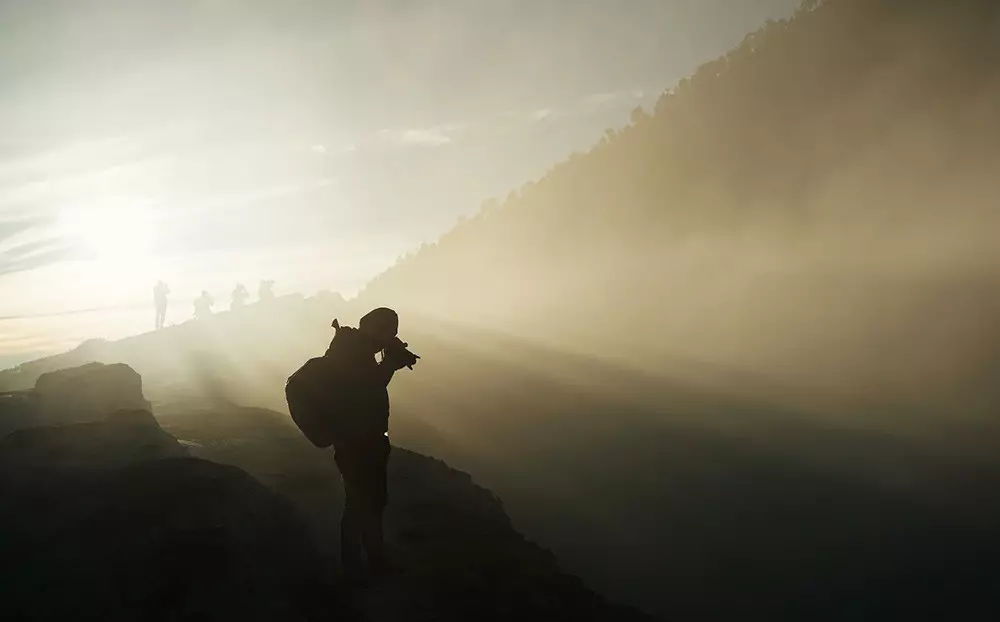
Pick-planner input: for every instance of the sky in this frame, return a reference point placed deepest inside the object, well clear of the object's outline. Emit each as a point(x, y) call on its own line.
point(210, 142)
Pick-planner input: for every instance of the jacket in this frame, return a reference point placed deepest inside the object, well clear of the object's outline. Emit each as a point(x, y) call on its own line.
point(355, 365)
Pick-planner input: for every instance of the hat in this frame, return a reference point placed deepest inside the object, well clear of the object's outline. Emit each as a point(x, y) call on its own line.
point(382, 321)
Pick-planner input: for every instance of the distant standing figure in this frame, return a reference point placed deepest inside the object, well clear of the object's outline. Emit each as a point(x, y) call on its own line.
point(266, 292)
point(203, 305)
point(239, 296)
point(160, 292)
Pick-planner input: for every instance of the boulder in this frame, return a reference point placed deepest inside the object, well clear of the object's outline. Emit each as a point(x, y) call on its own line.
point(88, 393)
point(112, 520)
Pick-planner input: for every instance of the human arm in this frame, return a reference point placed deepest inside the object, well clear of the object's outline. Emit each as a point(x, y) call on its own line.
point(385, 372)
point(394, 359)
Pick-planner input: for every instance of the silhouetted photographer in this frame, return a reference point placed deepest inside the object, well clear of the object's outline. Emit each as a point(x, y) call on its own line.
point(342, 399)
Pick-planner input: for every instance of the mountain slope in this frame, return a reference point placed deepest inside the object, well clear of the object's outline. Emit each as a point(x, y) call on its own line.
point(813, 213)
point(462, 557)
point(796, 196)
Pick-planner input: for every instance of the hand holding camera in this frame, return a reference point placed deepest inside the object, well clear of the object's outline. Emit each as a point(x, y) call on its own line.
point(398, 356)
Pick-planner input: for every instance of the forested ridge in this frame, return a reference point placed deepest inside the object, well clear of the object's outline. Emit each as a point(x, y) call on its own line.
point(848, 152)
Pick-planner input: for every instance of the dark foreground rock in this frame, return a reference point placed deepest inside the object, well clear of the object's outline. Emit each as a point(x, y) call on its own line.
point(124, 437)
point(113, 520)
point(17, 410)
point(228, 513)
point(461, 558)
point(465, 560)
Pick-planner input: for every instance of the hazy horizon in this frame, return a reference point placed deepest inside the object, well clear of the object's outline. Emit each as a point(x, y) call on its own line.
point(207, 144)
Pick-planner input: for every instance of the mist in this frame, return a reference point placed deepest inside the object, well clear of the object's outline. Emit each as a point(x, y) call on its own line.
point(738, 346)
point(816, 219)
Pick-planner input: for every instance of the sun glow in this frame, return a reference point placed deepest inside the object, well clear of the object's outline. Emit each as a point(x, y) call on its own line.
point(111, 231)
point(119, 239)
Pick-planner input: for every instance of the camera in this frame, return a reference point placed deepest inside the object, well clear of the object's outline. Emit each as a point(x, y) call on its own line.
point(397, 351)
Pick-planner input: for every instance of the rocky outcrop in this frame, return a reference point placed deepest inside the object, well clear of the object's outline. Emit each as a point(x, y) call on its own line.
point(466, 561)
point(17, 410)
point(462, 559)
point(123, 438)
point(88, 393)
point(82, 394)
point(113, 520)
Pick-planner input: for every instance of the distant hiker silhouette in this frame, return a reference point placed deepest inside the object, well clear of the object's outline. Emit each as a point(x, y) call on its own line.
point(203, 305)
point(239, 296)
point(342, 399)
point(160, 292)
point(266, 291)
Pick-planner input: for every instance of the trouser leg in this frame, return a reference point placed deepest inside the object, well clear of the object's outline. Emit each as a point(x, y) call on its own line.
point(372, 537)
point(351, 521)
point(351, 551)
point(364, 475)
point(377, 498)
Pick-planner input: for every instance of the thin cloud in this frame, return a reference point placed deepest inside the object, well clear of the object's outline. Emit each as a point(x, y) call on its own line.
point(542, 114)
point(56, 188)
point(426, 137)
point(68, 157)
point(599, 100)
point(27, 249)
point(263, 195)
point(435, 136)
point(22, 239)
point(22, 263)
point(11, 229)
point(86, 157)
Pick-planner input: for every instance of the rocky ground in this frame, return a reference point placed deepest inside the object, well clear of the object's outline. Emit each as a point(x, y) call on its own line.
point(216, 511)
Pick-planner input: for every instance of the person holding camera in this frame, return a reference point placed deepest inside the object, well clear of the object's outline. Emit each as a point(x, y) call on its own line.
point(362, 451)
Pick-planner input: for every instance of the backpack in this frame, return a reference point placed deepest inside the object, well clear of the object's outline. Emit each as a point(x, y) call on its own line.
point(317, 402)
